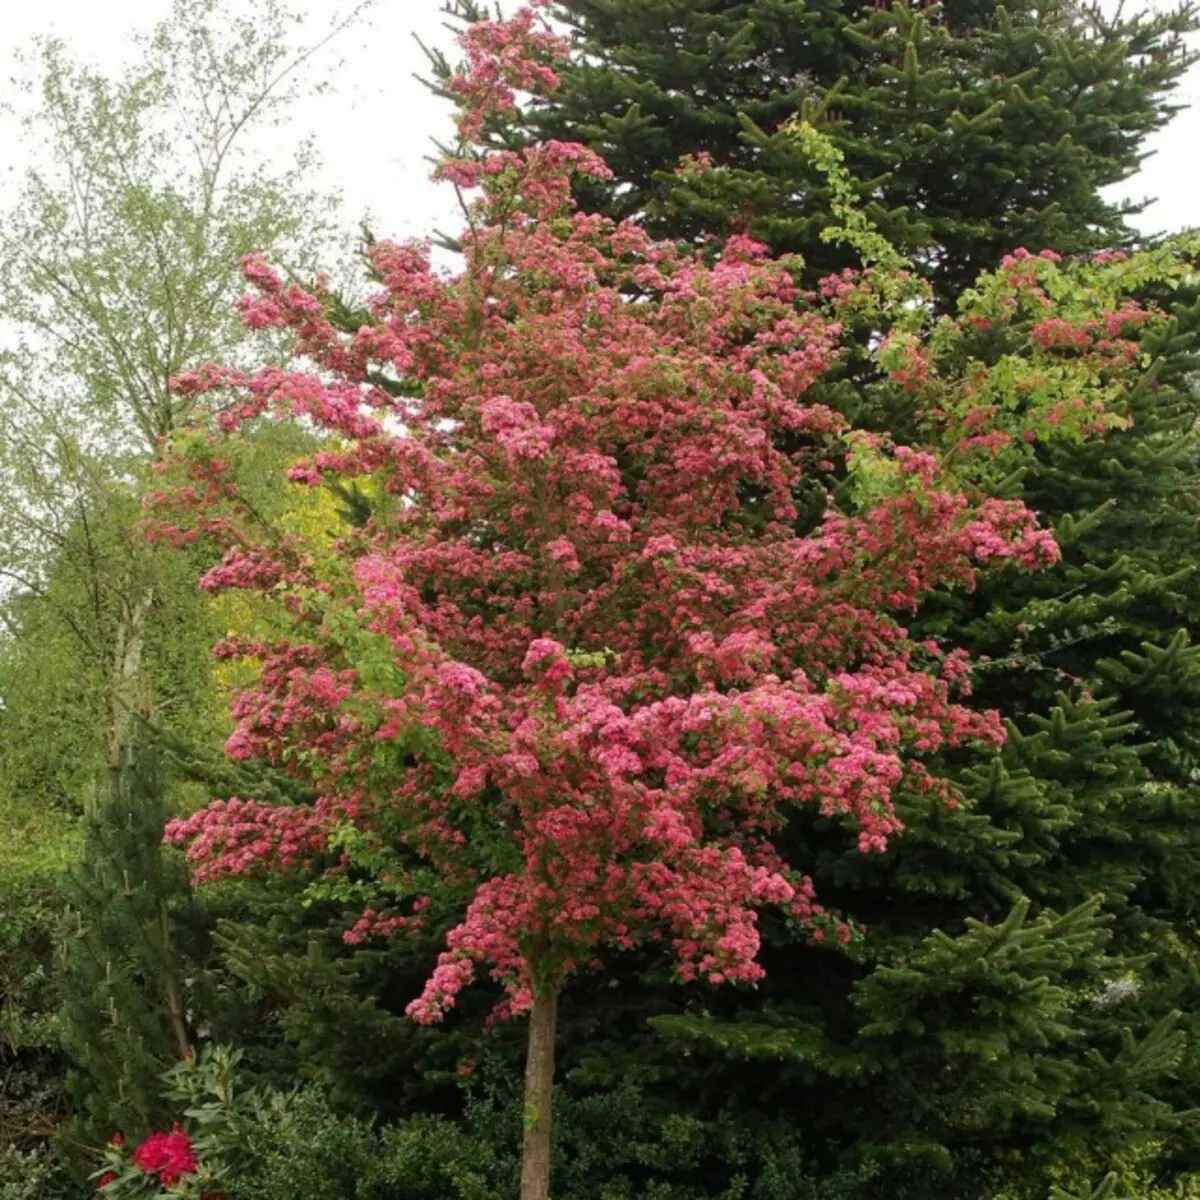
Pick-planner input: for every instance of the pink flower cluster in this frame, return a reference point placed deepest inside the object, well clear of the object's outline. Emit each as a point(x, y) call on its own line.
point(231, 837)
point(503, 57)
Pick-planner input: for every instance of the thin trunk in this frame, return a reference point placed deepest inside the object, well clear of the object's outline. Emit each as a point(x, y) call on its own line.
point(539, 1097)
point(127, 679)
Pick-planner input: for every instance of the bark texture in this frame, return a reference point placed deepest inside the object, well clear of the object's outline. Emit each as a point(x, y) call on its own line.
point(539, 1097)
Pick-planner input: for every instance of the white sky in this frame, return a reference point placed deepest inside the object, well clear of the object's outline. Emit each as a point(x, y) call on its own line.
point(374, 129)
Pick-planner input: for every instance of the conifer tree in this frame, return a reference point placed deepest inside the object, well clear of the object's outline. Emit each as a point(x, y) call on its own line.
point(1095, 792)
point(122, 976)
point(971, 128)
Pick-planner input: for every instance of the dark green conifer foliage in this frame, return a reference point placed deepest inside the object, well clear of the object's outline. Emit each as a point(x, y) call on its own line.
point(1012, 1012)
point(971, 1063)
point(972, 127)
point(306, 1006)
point(1116, 626)
point(123, 968)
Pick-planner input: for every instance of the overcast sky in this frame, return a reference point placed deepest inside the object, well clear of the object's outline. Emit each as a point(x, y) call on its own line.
point(375, 128)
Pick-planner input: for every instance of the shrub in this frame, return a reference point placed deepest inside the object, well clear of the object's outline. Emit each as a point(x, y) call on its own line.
point(611, 1144)
point(32, 1070)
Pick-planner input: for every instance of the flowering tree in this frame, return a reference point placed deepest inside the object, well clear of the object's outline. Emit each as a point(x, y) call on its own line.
point(587, 653)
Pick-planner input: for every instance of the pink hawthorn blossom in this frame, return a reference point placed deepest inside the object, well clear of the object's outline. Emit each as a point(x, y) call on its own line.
point(615, 661)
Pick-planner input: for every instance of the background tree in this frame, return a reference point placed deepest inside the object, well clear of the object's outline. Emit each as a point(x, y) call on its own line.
point(1083, 798)
point(118, 268)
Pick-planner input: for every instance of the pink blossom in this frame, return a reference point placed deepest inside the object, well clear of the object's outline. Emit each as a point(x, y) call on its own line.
point(586, 660)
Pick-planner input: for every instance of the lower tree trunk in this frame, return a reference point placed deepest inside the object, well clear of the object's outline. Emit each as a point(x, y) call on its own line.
point(127, 676)
point(539, 1097)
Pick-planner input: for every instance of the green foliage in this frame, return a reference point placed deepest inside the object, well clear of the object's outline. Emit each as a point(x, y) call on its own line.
point(35, 1174)
point(301, 1150)
point(57, 667)
point(32, 1094)
point(304, 1006)
point(1105, 1190)
point(856, 230)
point(613, 1145)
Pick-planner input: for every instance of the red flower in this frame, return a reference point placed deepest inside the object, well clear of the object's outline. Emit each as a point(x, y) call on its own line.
point(168, 1155)
point(105, 1179)
point(117, 1139)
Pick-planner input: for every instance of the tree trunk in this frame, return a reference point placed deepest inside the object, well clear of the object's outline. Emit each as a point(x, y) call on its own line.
point(539, 1097)
point(127, 680)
